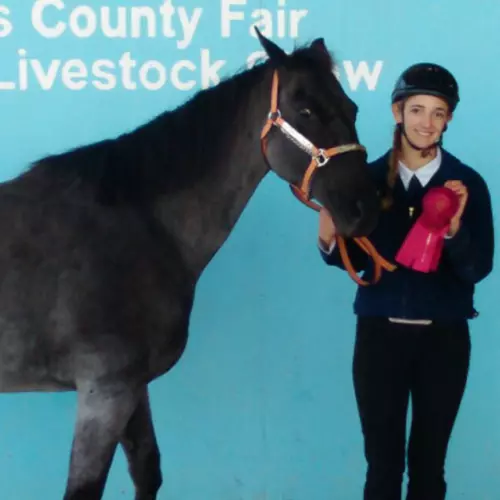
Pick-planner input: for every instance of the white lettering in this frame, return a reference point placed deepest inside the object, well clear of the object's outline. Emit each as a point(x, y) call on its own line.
point(98, 71)
point(167, 11)
point(255, 57)
point(130, 74)
point(189, 26)
point(127, 63)
point(362, 72)
point(227, 16)
point(5, 24)
point(118, 31)
point(264, 22)
point(162, 75)
point(46, 80)
point(83, 21)
point(87, 15)
point(138, 13)
point(209, 71)
point(23, 70)
point(37, 18)
point(281, 15)
point(295, 17)
point(73, 69)
point(7, 86)
point(174, 77)
point(285, 24)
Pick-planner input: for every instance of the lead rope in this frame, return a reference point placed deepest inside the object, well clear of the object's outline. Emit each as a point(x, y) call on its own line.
point(363, 242)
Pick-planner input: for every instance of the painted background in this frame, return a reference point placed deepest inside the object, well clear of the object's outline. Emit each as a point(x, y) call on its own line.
point(261, 406)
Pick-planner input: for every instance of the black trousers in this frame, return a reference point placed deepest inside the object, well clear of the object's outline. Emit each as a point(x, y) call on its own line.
point(393, 362)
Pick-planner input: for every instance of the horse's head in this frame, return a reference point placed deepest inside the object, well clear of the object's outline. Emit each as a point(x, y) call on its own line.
point(310, 100)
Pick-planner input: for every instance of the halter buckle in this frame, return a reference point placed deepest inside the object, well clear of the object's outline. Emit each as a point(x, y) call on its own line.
point(321, 159)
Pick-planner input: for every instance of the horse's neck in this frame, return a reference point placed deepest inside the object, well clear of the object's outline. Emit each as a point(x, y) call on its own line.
point(202, 217)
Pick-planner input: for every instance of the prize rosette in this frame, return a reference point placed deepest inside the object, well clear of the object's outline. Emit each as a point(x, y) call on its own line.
point(422, 247)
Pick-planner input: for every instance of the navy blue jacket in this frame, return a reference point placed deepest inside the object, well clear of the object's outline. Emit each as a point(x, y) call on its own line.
point(467, 257)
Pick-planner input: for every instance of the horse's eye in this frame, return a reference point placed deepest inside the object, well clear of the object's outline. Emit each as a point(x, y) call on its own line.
point(305, 112)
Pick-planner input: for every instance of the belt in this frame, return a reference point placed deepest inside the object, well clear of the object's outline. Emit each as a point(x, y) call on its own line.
point(411, 321)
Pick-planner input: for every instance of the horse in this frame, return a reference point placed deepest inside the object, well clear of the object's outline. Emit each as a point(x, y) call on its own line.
point(102, 245)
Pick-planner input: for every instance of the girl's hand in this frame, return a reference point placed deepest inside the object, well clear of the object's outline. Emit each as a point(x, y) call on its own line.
point(461, 190)
point(326, 227)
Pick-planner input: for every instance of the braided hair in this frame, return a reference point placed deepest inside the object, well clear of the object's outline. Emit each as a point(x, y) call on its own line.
point(392, 171)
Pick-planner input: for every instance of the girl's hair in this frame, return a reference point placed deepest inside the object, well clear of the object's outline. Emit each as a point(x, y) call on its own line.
point(392, 172)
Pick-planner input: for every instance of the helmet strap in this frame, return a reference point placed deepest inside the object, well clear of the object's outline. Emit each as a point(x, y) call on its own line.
point(423, 151)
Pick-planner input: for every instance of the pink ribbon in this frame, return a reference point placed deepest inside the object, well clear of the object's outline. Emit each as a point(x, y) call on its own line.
point(422, 247)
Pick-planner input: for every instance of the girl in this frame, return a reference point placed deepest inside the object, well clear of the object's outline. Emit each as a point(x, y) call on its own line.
point(412, 330)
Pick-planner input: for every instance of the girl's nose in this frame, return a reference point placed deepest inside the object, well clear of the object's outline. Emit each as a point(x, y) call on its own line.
point(427, 121)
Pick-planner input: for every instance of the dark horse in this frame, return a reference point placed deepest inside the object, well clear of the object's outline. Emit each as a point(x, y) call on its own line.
point(101, 247)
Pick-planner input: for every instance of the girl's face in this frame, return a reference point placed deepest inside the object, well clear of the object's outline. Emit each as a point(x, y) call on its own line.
point(425, 118)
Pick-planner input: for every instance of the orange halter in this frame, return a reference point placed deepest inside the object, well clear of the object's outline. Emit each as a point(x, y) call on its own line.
point(319, 158)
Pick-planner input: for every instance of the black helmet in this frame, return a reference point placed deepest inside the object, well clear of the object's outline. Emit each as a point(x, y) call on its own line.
point(430, 79)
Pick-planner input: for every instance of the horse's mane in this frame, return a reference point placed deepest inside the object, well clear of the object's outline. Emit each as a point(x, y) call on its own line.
point(168, 153)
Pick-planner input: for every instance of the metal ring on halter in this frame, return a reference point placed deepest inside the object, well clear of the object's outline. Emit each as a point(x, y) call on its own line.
point(274, 115)
point(321, 158)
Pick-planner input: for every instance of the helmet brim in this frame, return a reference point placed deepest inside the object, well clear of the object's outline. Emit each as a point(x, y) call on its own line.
point(404, 94)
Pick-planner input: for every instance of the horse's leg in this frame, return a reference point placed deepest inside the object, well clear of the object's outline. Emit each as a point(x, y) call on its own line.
point(103, 413)
point(141, 449)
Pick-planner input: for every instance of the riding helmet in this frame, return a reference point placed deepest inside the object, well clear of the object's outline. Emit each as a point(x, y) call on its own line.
point(430, 79)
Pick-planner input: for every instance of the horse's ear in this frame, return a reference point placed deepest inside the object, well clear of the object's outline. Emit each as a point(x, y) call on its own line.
point(275, 53)
point(320, 46)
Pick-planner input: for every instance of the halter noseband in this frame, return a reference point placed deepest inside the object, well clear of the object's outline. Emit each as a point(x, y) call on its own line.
point(319, 158)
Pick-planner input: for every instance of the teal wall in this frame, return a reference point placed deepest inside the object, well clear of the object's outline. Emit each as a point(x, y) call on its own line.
point(261, 406)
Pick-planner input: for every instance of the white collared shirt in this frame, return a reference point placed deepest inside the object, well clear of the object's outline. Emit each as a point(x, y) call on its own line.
point(424, 173)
